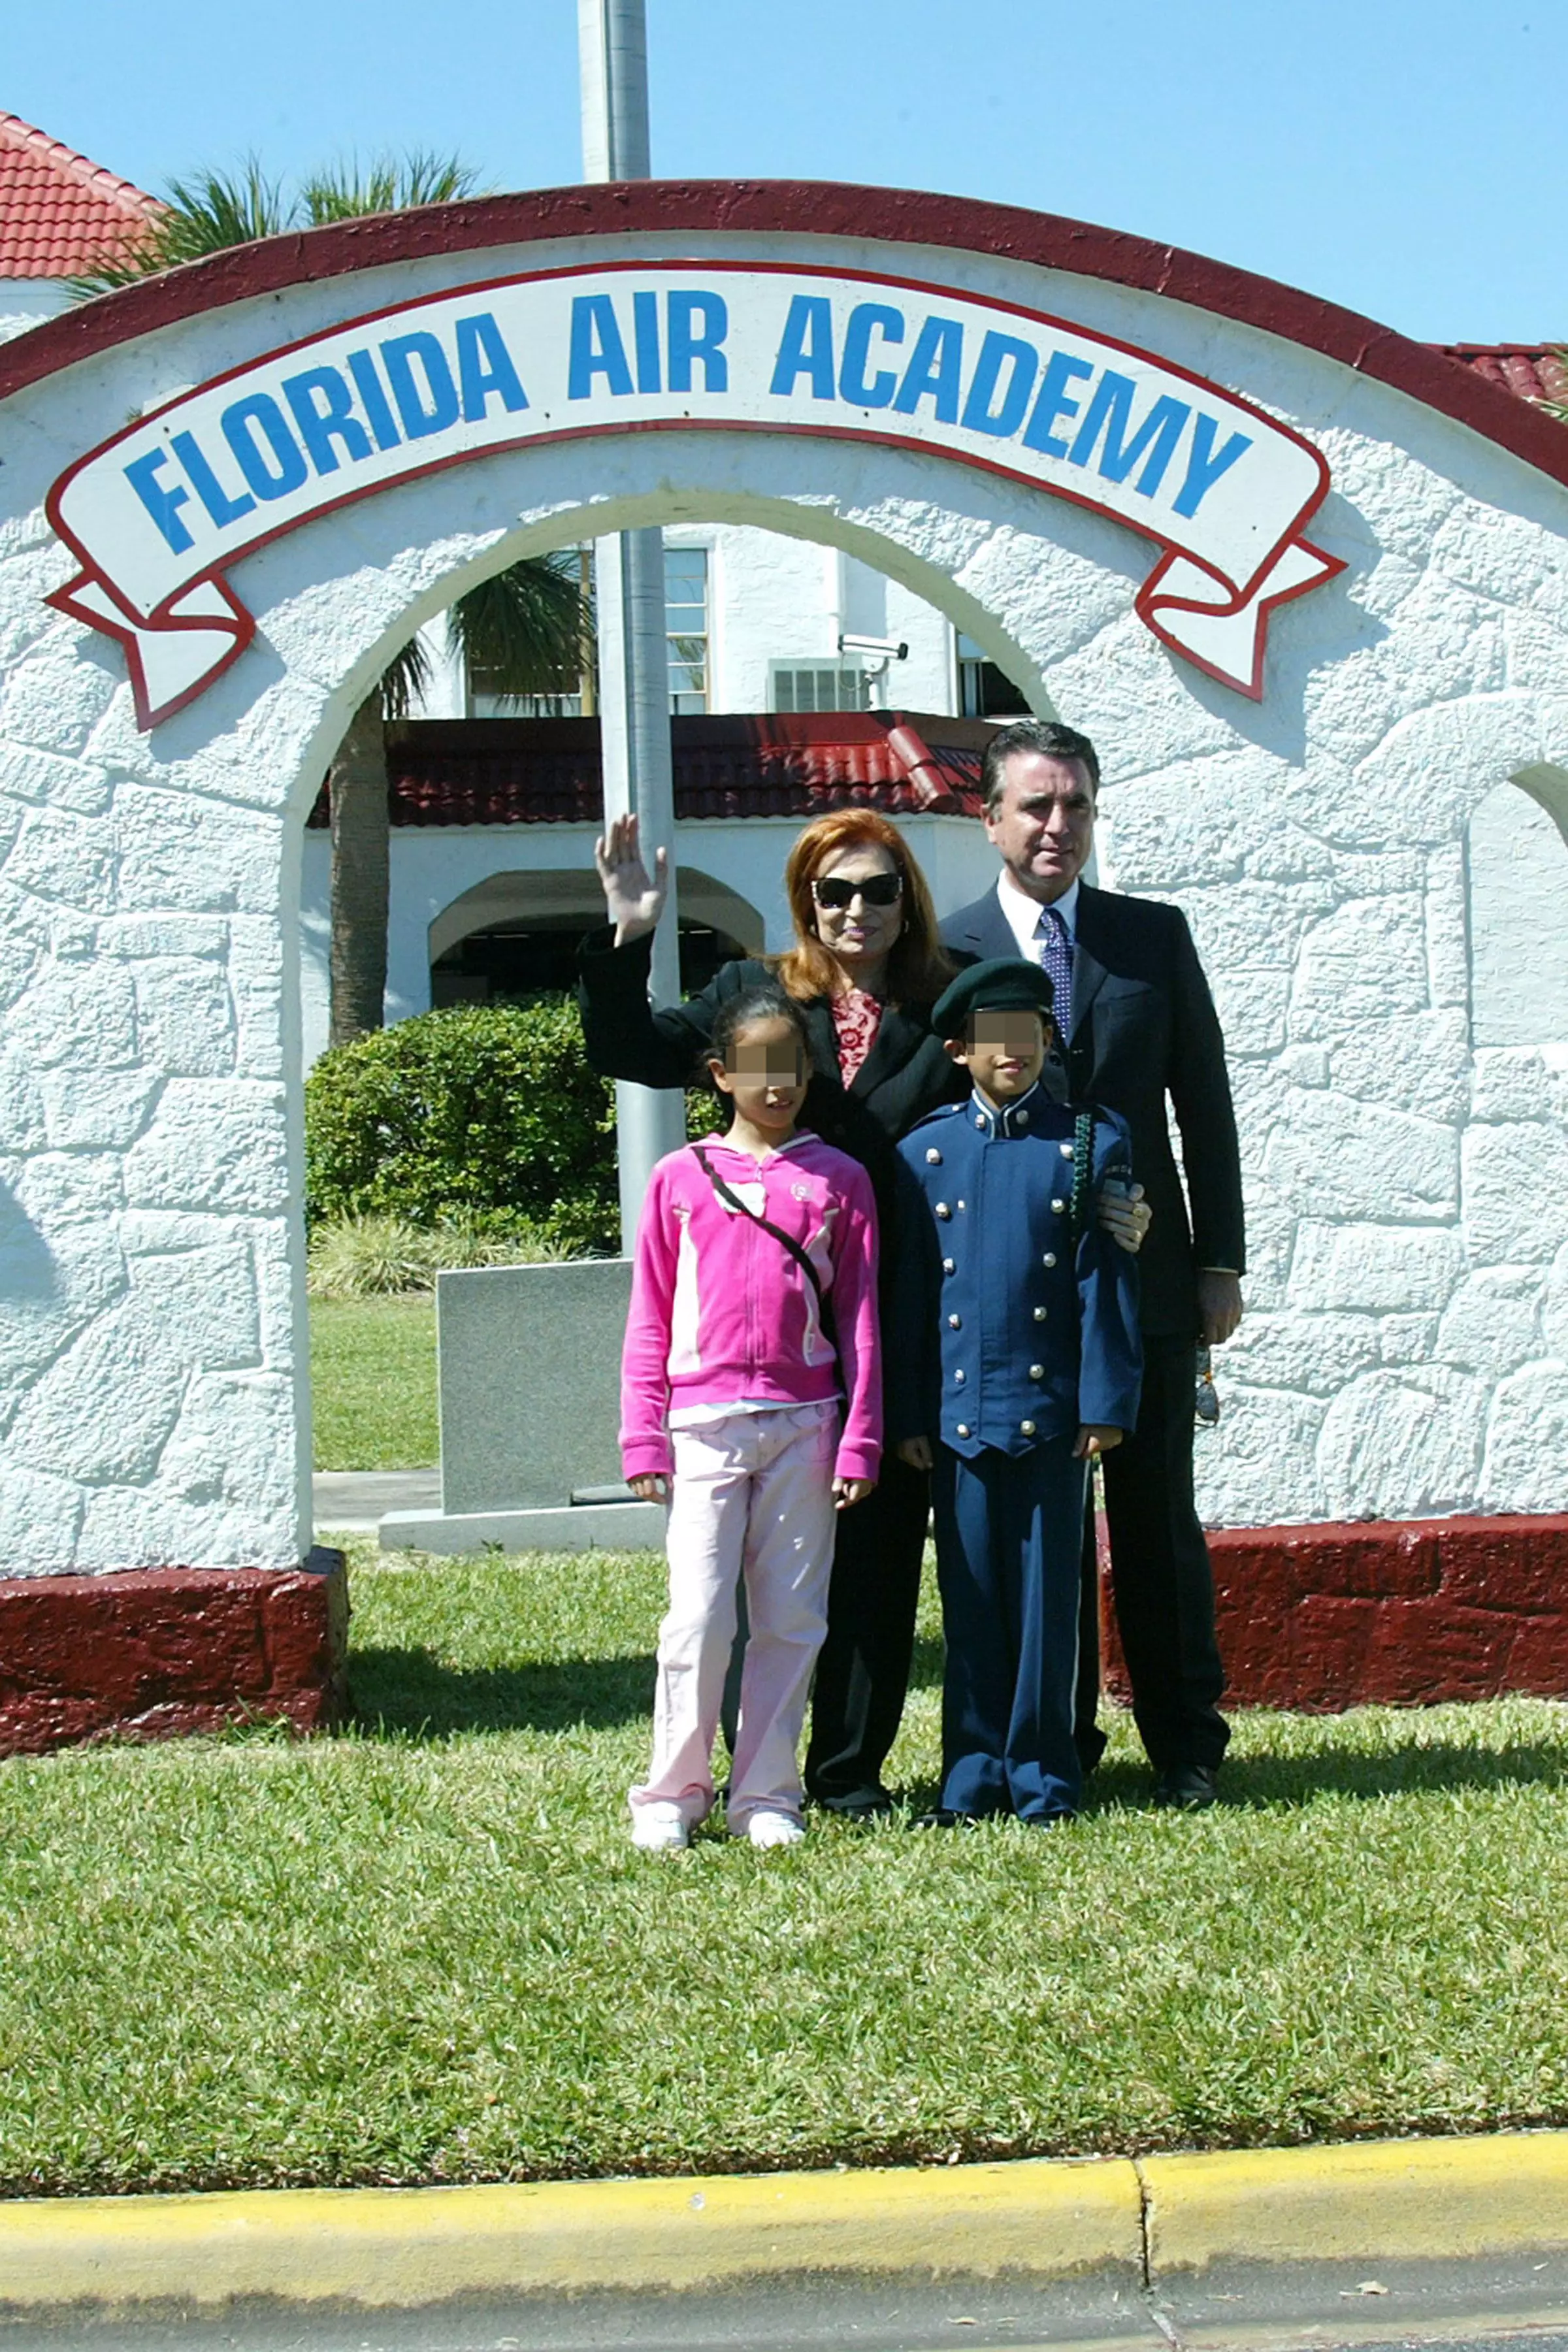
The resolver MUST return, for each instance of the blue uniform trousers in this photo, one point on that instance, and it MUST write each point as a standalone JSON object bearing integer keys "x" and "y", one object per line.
{"x": 1008, "y": 1529}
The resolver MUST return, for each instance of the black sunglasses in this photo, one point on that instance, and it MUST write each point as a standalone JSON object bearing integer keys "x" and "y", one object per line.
{"x": 876, "y": 890}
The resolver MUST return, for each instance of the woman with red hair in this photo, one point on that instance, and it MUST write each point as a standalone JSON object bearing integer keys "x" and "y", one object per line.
{"x": 865, "y": 968}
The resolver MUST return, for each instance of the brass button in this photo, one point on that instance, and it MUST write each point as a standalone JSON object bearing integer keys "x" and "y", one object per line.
{"x": 1037, "y": 1372}
{"x": 958, "y": 1378}
{"x": 1049, "y": 1258}
{"x": 947, "y": 1265}
{"x": 942, "y": 1209}
{"x": 955, "y": 1323}
{"x": 1025, "y": 1428}
{"x": 933, "y": 1157}
{"x": 964, "y": 1429}
{"x": 1066, "y": 1151}
{"x": 1058, "y": 1206}
{"x": 1039, "y": 1313}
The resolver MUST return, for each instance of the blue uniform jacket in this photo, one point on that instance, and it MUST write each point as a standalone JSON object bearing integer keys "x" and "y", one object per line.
{"x": 1005, "y": 1330}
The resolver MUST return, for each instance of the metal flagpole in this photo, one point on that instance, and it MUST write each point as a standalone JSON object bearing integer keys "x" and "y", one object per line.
{"x": 634, "y": 663}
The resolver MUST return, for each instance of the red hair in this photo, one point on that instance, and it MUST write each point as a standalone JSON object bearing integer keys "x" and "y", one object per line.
{"x": 918, "y": 970}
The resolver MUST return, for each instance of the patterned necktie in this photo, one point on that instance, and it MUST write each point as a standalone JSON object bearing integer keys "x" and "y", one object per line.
{"x": 1056, "y": 956}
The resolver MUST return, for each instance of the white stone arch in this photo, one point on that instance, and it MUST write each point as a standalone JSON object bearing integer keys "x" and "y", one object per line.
{"x": 520, "y": 893}
{"x": 150, "y": 1133}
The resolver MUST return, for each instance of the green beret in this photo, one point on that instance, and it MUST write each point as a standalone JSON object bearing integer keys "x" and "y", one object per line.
{"x": 1006, "y": 984}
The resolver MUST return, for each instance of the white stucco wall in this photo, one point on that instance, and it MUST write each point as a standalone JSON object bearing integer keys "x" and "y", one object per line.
{"x": 25, "y": 301}
{"x": 1406, "y": 1346}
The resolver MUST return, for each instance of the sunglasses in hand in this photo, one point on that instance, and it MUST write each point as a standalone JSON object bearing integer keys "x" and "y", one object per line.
{"x": 876, "y": 890}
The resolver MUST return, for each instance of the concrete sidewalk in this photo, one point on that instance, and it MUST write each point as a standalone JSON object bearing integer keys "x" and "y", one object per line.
{"x": 1369, "y": 2242}
{"x": 355, "y": 1501}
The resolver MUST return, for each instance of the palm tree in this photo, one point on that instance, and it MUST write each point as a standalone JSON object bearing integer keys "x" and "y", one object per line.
{"x": 526, "y": 628}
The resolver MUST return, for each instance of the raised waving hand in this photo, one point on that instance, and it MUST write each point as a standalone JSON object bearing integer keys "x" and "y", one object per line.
{"x": 634, "y": 900}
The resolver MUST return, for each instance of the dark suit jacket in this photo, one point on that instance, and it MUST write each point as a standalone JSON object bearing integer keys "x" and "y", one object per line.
{"x": 1144, "y": 1028}
{"x": 905, "y": 1075}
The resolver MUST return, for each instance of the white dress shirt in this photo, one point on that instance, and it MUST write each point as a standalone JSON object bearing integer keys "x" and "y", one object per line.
{"x": 1022, "y": 914}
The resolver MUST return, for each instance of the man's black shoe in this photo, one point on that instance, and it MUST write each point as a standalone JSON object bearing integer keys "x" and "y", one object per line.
{"x": 945, "y": 1817}
{"x": 1187, "y": 1788}
{"x": 864, "y": 1805}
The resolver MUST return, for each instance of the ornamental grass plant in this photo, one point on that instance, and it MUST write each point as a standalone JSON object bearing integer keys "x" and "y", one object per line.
{"x": 424, "y": 1949}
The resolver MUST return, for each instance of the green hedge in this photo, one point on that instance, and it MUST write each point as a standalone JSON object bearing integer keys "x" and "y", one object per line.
{"x": 481, "y": 1113}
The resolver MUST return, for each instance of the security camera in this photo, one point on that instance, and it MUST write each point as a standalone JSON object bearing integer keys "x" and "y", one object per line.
{"x": 887, "y": 648}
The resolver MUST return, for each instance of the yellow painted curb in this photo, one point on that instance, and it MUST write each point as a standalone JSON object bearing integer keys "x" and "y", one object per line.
{"x": 408, "y": 2247}
{"x": 1416, "y": 2200}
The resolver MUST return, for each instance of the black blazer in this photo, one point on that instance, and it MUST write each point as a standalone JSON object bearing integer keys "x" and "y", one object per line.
{"x": 1144, "y": 1028}
{"x": 905, "y": 1075}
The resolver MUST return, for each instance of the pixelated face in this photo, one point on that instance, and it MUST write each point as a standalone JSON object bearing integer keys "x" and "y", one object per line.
{"x": 1004, "y": 1052}
{"x": 765, "y": 1073}
{"x": 1042, "y": 826}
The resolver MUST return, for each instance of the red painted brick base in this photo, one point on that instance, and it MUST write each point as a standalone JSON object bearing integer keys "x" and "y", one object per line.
{"x": 1398, "y": 1613}
{"x": 150, "y": 1653}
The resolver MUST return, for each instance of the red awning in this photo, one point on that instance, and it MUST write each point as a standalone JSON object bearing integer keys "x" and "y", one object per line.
{"x": 547, "y": 770}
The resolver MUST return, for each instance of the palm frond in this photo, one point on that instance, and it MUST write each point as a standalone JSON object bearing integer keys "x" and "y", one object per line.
{"x": 203, "y": 214}
{"x": 524, "y": 629}
{"x": 390, "y": 184}
{"x": 405, "y": 680}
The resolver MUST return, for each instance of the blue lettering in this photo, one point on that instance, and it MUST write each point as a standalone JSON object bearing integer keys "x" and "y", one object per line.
{"x": 866, "y": 320}
{"x": 334, "y": 419}
{"x": 1109, "y": 413}
{"x": 935, "y": 369}
{"x": 645, "y": 334}
{"x": 686, "y": 345}
{"x": 398, "y": 357}
{"x": 1023, "y": 362}
{"x": 597, "y": 349}
{"x": 163, "y": 504}
{"x": 210, "y": 489}
{"x": 805, "y": 347}
{"x": 377, "y": 407}
{"x": 241, "y": 421}
{"x": 1055, "y": 400}
{"x": 479, "y": 341}
{"x": 1204, "y": 468}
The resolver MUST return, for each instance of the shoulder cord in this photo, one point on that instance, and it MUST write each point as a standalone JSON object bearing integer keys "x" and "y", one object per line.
{"x": 1082, "y": 1165}
{"x": 785, "y": 1241}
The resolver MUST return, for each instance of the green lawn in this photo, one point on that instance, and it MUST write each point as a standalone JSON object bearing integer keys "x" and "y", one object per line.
{"x": 373, "y": 1383}
{"x": 425, "y": 1950}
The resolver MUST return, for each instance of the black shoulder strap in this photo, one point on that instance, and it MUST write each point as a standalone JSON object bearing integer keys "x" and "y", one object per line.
{"x": 785, "y": 1241}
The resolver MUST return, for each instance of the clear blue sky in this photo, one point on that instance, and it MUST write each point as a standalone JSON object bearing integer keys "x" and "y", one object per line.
{"x": 1407, "y": 160}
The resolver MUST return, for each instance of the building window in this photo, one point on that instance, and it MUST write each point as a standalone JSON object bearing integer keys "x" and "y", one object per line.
{"x": 984, "y": 691}
{"x": 798, "y": 688}
{"x": 686, "y": 626}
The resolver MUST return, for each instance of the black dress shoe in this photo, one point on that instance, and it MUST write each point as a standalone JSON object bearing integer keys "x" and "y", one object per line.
{"x": 945, "y": 1817}
{"x": 862, "y": 1805}
{"x": 1187, "y": 1788}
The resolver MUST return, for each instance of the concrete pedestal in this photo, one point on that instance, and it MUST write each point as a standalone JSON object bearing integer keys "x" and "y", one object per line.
{"x": 150, "y": 1653}
{"x": 1392, "y": 1613}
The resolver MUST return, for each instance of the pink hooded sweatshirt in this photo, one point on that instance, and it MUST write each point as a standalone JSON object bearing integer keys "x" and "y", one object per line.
{"x": 722, "y": 1315}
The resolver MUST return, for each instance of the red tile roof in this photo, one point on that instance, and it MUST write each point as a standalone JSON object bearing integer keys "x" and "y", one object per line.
{"x": 59, "y": 213}
{"x": 1532, "y": 371}
{"x": 547, "y": 770}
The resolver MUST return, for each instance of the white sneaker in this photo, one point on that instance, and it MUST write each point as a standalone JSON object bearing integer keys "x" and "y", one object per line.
{"x": 660, "y": 1828}
{"x": 774, "y": 1829}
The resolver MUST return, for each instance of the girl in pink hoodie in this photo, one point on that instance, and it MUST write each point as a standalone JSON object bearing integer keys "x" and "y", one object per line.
{"x": 750, "y": 1402}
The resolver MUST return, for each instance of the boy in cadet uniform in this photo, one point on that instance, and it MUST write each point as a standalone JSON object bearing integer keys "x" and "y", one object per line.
{"x": 1014, "y": 1359}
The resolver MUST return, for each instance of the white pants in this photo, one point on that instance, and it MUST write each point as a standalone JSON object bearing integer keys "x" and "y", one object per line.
{"x": 752, "y": 1496}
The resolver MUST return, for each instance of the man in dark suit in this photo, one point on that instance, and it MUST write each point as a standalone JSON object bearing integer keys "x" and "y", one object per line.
{"x": 1138, "y": 1028}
